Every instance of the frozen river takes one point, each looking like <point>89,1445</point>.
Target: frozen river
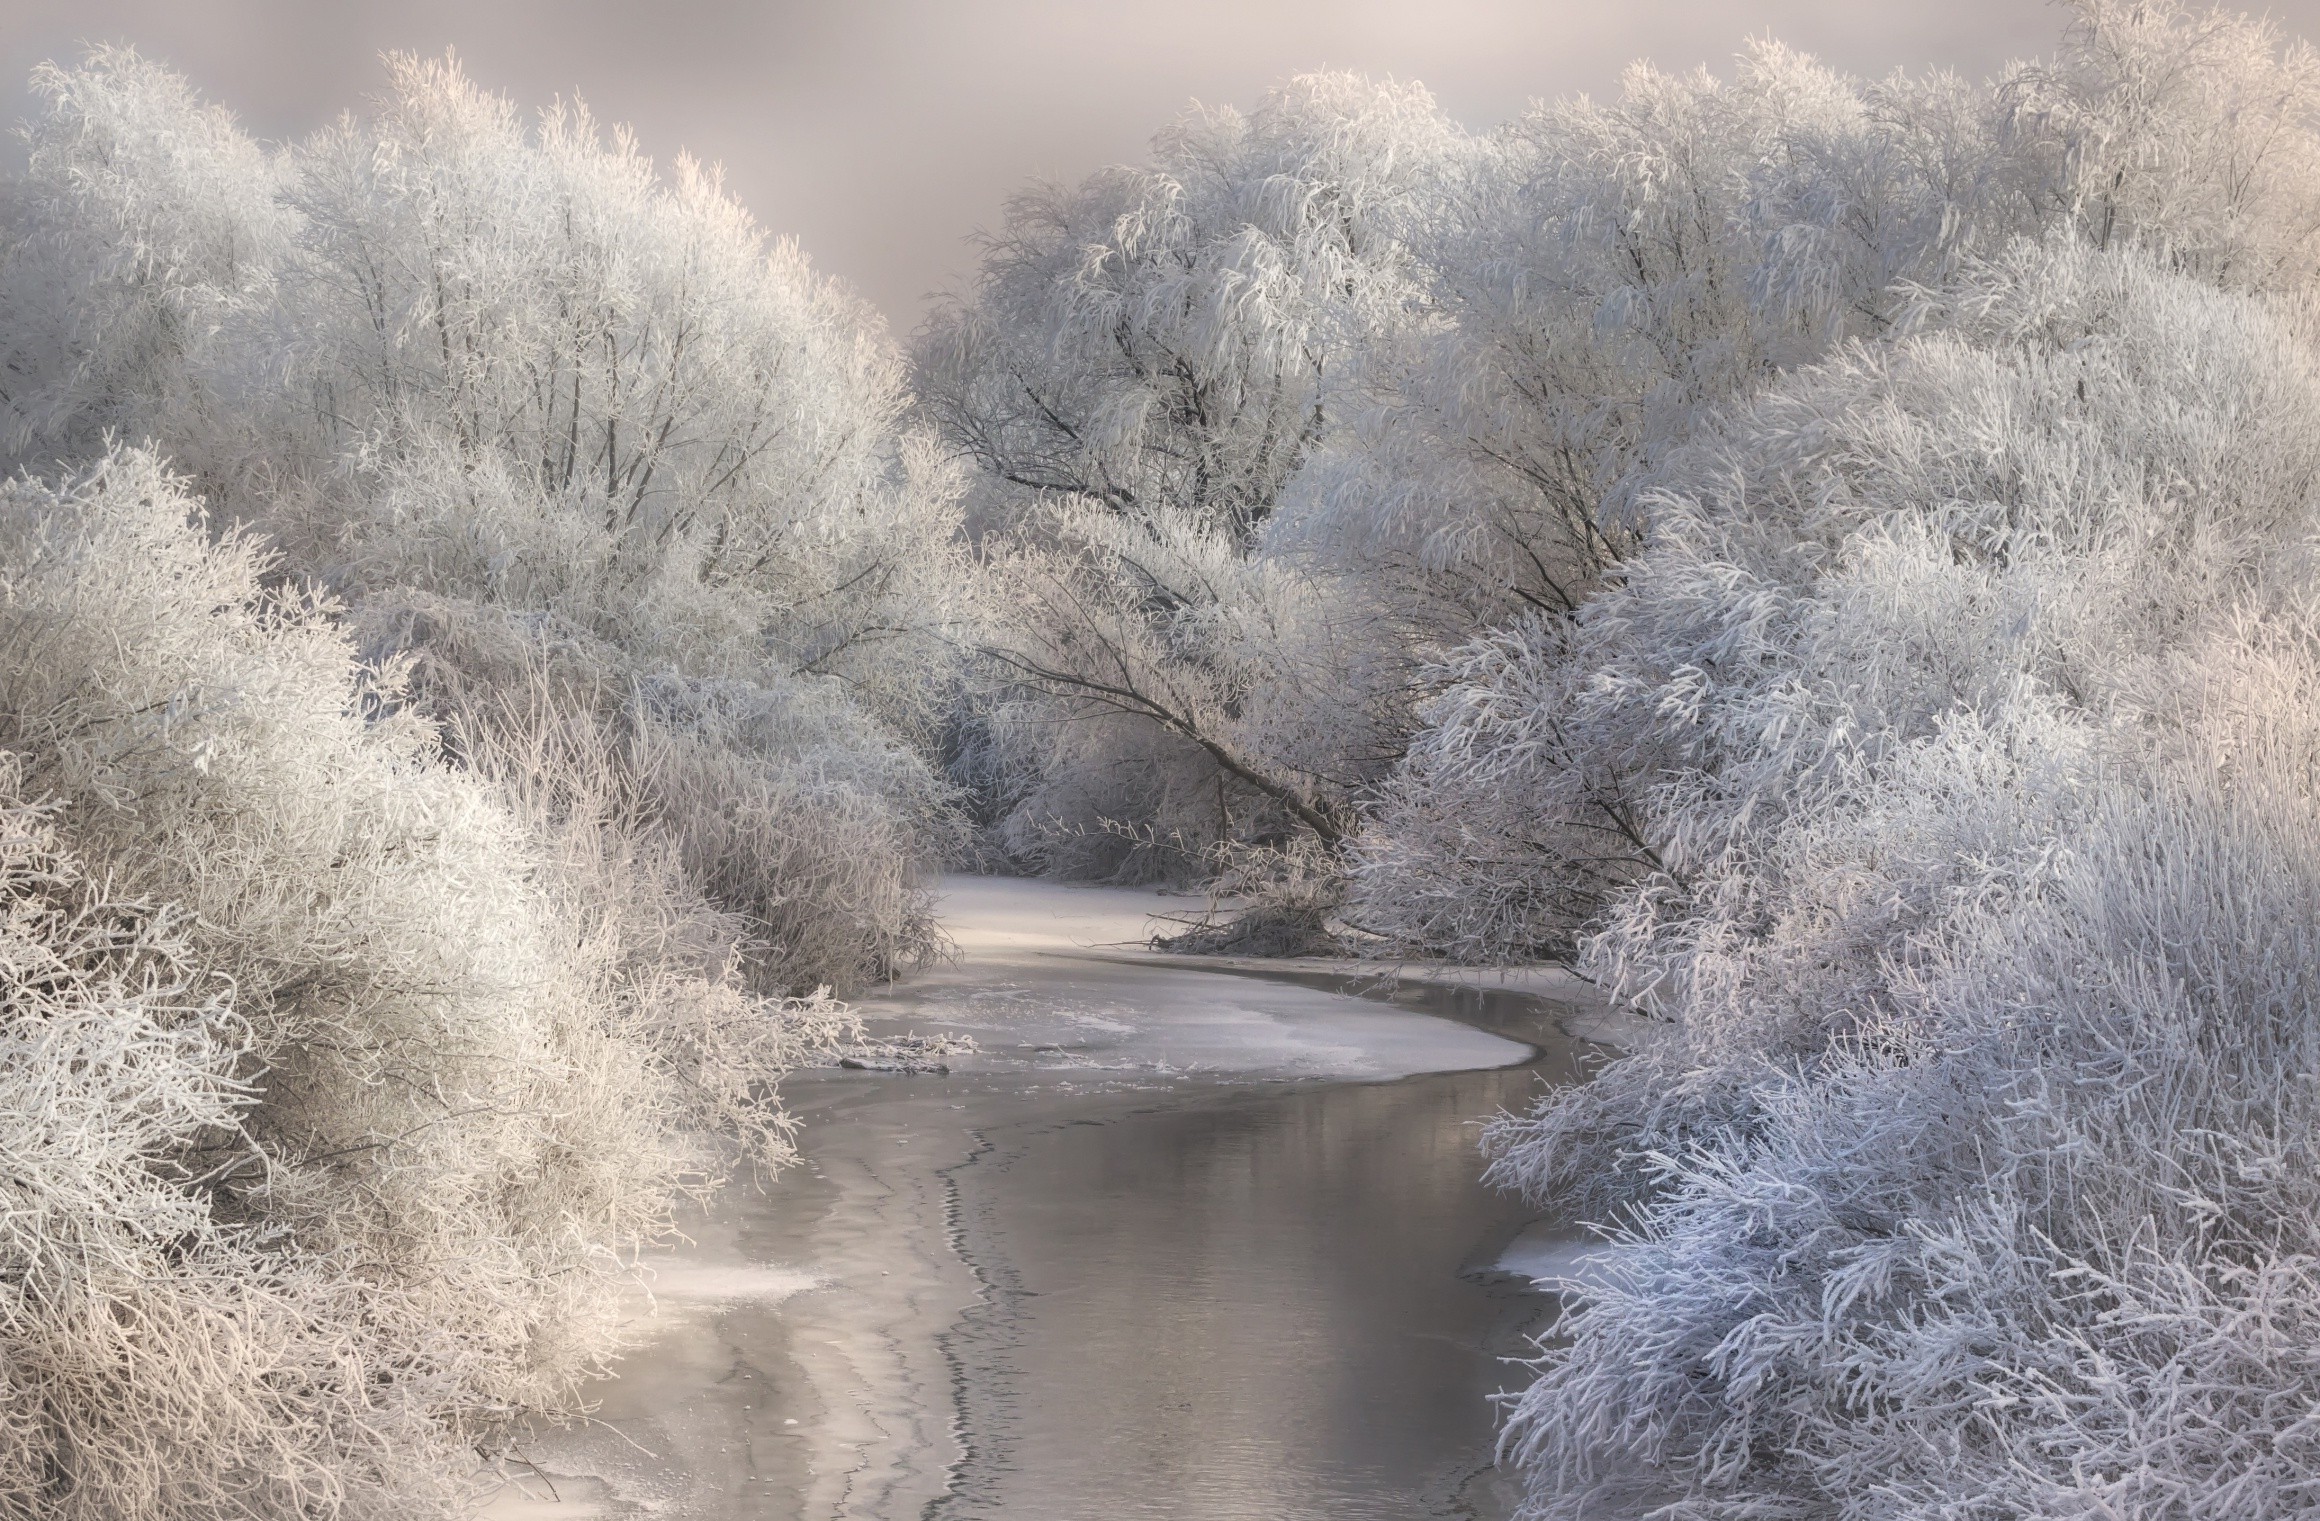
<point>1174,1244</point>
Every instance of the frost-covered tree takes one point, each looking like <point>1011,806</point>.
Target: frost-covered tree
<point>441,355</point>
<point>144,228</point>
<point>1144,366</point>
<point>1166,336</point>
<point>1629,270</point>
<point>604,399</point>
<point>588,388</point>
<point>1614,273</point>
<point>1607,273</point>
<point>1960,1180</point>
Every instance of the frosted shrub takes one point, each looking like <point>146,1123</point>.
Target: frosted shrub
<point>469,1094</point>
<point>539,711</point>
<point>1964,676</point>
<point>2084,461</point>
<point>795,827</point>
<point>779,806</point>
<point>159,1363</point>
<point>2035,1239</point>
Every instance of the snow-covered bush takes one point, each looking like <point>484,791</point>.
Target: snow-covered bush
<point>781,806</point>
<point>1963,673</point>
<point>771,798</point>
<point>468,1086</point>
<point>159,1361</point>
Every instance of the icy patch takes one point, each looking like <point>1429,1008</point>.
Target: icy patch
<point>568,1497</point>
<point>1032,982</point>
<point>1556,1264</point>
<point>687,1281</point>
<point>996,920</point>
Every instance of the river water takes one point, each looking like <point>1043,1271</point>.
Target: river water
<point>1176,1244</point>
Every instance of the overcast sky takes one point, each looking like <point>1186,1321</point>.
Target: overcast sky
<point>881,133</point>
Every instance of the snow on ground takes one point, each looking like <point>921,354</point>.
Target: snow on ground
<point>1004,919</point>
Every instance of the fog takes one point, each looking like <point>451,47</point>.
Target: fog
<point>882,134</point>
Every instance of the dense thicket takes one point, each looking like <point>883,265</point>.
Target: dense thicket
<point>159,1360</point>
<point>400,1086</point>
<point>1832,560</point>
<point>1964,1178</point>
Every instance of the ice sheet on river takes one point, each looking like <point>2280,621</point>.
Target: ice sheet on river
<point>1032,985</point>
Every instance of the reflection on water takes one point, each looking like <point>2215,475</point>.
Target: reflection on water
<point>1076,1280</point>
<point>1258,1304</point>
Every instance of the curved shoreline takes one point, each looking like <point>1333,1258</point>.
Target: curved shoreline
<point>836,1299</point>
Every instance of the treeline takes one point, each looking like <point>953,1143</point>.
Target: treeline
<point>486,637</point>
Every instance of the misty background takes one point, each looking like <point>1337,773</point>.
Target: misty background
<point>882,134</point>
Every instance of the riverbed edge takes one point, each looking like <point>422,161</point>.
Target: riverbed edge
<point>1593,1017</point>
